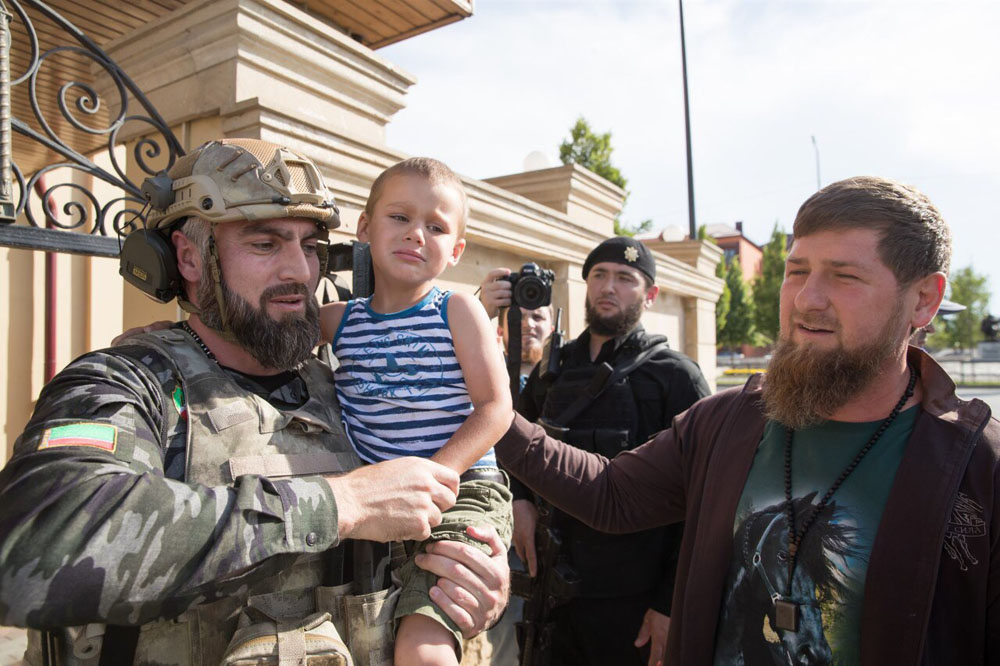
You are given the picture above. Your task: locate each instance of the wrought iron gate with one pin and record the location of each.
(57, 137)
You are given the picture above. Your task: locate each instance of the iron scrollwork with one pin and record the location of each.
(80, 109)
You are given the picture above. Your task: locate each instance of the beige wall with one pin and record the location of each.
(206, 69)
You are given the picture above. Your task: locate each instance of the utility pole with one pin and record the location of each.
(692, 227)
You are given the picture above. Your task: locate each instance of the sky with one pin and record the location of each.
(902, 89)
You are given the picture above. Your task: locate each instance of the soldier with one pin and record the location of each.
(627, 580)
(184, 498)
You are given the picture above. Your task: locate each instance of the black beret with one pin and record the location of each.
(622, 250)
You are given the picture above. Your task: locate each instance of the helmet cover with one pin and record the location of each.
(246, 179)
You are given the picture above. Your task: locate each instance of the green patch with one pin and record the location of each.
(95, 435)
(179, 403)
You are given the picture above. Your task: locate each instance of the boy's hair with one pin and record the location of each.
(914, 241)
(431, 169)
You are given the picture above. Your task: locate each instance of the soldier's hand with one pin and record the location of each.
(161, 325)
(655, 627)
(525, 519)
(396, 500)
(473, 587)
(495, 292)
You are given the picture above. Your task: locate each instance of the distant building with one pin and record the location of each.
(735, 244)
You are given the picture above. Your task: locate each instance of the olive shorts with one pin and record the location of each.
(479, 502)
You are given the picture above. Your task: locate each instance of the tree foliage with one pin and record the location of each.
(767, 286)
(721, 305)
(622, 229)
(962, 330)
(739, 327)
(591, 150)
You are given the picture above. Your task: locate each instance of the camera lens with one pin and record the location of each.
(531, 293)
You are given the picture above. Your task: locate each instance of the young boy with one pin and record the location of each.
(420, 374)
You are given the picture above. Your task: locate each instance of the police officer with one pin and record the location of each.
(627, 579)
(184, 498)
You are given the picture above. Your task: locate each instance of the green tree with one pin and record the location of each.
(622, 229)
(767, 286)
(739, 327)
(593, 151)
(962, 330)
(721, 305)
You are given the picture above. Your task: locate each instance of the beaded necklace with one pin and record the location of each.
(787, 611)
(197, 338)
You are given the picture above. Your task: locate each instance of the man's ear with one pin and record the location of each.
(189, 259)
(651, 295)
(929, 292)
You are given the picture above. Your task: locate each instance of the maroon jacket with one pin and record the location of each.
(933, 581)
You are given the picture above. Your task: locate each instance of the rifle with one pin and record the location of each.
(556, 584)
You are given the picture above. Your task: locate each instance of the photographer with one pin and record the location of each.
(627, 580)
(496, 294)
(536, 323)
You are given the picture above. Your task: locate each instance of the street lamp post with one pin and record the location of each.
(692, 228)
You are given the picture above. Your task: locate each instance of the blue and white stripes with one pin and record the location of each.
(400, 387)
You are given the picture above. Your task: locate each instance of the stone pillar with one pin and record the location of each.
(699, 335)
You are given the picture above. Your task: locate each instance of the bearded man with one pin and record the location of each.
(841, 509)
(188, 497)
(621, 615)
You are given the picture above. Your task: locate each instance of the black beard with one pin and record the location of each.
(804, 385)
(281, 345)
(615, 325)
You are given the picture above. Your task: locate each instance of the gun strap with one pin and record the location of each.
(587, 397)
(119, 645)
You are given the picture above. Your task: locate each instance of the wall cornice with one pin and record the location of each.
(211, 56)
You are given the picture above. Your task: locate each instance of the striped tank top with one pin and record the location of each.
(400, 386)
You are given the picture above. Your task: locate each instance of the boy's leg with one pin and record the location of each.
(479, 502)
(422, 641)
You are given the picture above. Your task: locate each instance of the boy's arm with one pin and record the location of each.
(329, 320)
(486, 380)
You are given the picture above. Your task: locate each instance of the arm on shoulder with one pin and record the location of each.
(485, 377)
(330, 316)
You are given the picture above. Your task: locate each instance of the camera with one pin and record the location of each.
(532, 286)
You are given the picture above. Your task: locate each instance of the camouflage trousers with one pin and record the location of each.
(479, 502)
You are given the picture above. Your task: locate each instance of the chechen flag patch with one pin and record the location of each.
(96, 435)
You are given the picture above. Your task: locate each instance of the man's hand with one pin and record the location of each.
(396, 500)
(472, 587)
(656, 626)
(525, 519)
(495, 292)
(161, 325)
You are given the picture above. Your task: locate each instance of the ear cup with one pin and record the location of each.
(158, 190)
(148, 262)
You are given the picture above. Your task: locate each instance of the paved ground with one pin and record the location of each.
(12, 644)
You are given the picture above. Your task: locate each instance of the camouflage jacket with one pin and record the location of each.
(95, 523)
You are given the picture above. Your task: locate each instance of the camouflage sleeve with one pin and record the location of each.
(92, 531)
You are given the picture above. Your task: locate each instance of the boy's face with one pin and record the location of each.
(414, 229)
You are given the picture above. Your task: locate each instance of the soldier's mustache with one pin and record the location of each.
(286, 289)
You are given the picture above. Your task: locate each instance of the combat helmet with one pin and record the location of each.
(240, 179)
(224, 181)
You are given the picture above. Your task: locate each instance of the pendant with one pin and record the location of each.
(786, 615)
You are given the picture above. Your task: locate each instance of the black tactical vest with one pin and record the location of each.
(610, 565)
